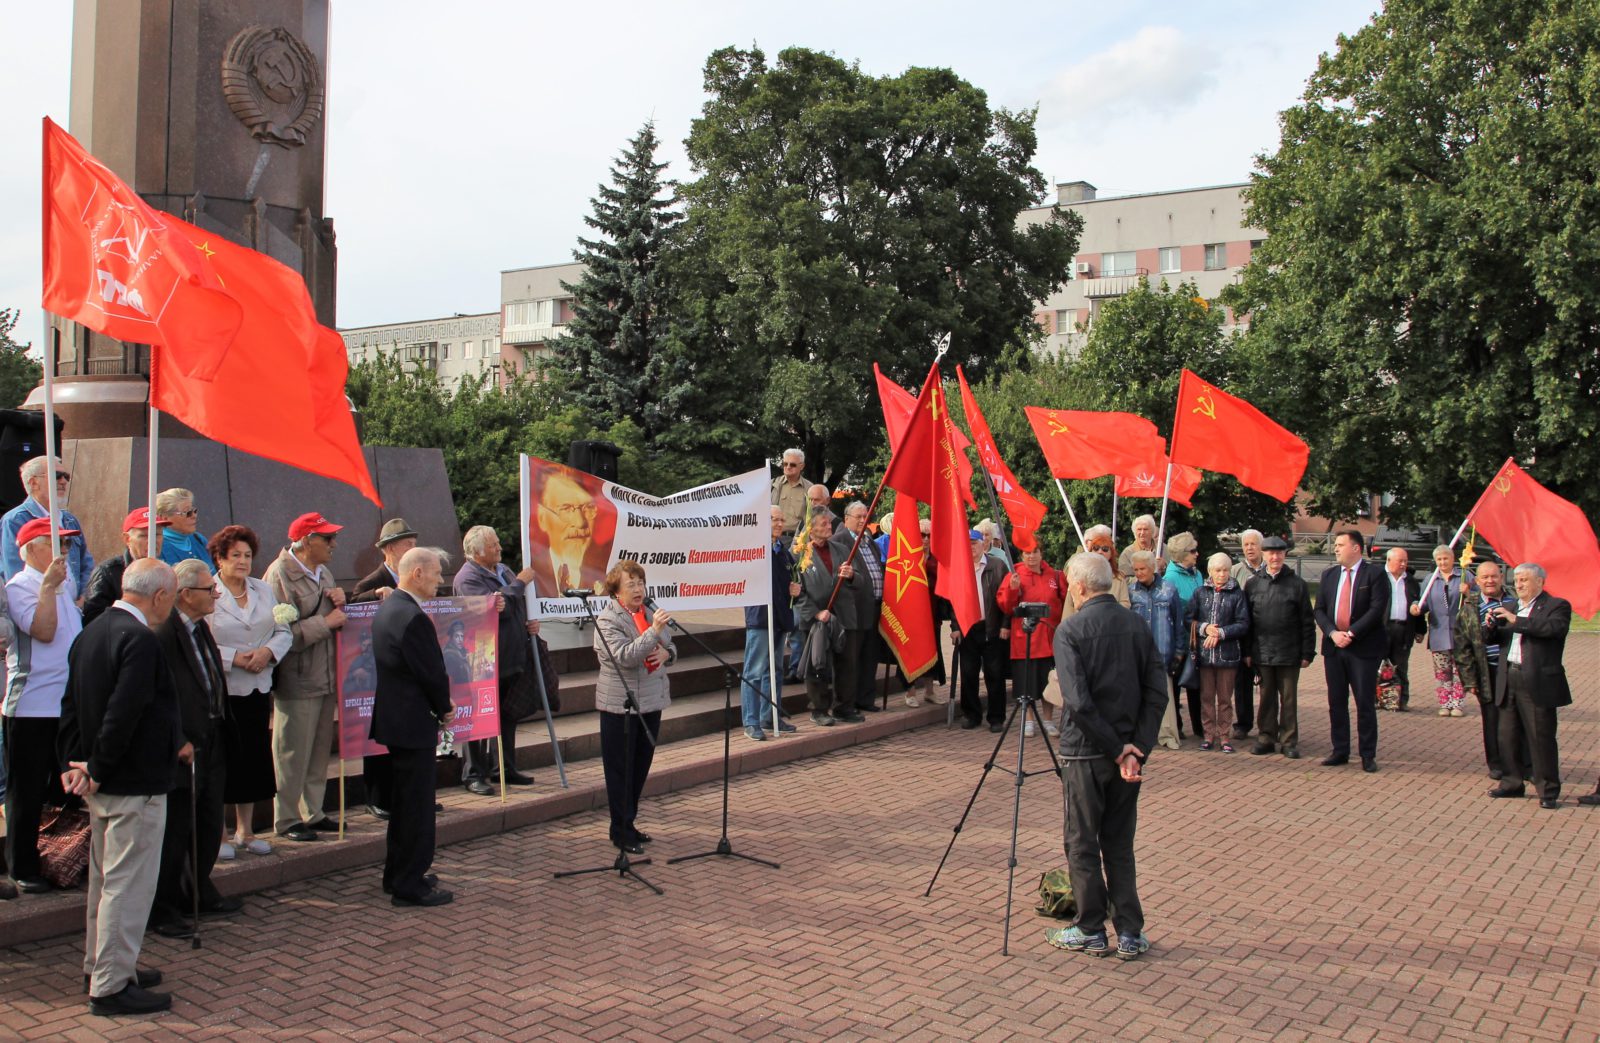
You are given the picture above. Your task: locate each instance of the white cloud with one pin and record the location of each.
(1157, 71)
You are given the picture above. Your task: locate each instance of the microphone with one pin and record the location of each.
(579, 592)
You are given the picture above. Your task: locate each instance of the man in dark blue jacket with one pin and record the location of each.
(411, 704)
(757, 662)
(1114, 691)
(1352, 602)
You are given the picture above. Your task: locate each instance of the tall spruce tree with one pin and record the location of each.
(612, 362)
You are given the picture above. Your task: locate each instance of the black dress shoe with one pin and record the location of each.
(641, 837)
(1292, 752)
(224, 905)
(1261, 749)
(869, 708)
(324, 825)
(997, 726)
(480, 787)
(144, 977)
(1333, 760)
(298, 831)
(431, 879)
(1500, 791)
(381, 814)
(425, 901)
(631, 847)
(970, 723)
(1369, 764)
(437, 807)
(850, 718)
(517, 778)
(1590, 800)
(33, 885)
(173, 928)
(131, 1000)
(1549, 804)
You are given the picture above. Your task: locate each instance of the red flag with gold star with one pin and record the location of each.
(237, 351)
(906, 622)
(1528, 523)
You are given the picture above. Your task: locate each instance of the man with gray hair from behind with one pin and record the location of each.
(1114, 691)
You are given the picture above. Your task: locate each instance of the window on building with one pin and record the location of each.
(494, 346)
(1171, 259)
(1216, 256)
(1064, 320)
(444, 351)
(1116, 264)
(469, 349)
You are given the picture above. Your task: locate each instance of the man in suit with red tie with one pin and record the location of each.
(1531, 684)
(411, 704)
(1352, 603)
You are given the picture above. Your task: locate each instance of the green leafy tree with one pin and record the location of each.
(840, 219)
(1425, 301)
(612, 361)
(19, 374)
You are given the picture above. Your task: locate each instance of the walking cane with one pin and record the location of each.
(194, 842)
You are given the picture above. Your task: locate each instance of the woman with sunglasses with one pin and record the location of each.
(179, 540)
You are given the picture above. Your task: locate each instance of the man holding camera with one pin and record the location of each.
(1113, 691)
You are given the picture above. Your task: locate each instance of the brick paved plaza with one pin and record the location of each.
(1285, 900)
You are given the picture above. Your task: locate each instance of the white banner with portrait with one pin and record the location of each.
(703, 548)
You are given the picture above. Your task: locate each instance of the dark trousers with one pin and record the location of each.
(626, 755)
(377, 778)
(867, 669)
(408, 853)
(1402, 635)
(1523, 722)
(1352, 675)
(1032, 675)
(33, 779)
(175, 886)
(1102, 812)
(1492, 716)
(1244, 701)
(987, 655)
(1280, 705)
(482, 761)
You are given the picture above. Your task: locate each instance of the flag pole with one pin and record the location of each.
(1166, 490)
(47, 350)
(1113, 509)
(1070, 514)
(994, 505)
(1453, 541)
(150, 490)
(774, 687)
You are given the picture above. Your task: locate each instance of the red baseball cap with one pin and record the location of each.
(307, 524)
(39, 527)
(139, 518)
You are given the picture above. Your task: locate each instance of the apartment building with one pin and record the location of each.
(452, 347)
(534, 311)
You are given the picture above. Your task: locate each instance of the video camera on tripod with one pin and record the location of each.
(1032, 612)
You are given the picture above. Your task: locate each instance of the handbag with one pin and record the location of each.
(1189, 677)
(1388, 687)
(1055, 896)
(64, 847)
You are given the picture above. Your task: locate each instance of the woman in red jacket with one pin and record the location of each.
(1034, 581)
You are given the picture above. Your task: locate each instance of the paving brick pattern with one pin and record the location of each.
(1286, 901)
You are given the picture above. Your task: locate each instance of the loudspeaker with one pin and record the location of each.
(21, 439)
(596, 458)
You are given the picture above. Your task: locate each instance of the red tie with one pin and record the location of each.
(1341, 618)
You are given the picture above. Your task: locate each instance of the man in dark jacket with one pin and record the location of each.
(987, 646)
(850, 545)
(754, 698)
(1400, 627)
(105, 582)
(198, 676)
(394, 539)
(411, 704)
(1531, 685)
(1352, 602)
(1283, 641)
(1114, 691)
(121, 742)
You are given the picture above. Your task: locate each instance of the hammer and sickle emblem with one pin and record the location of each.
(1503, 483)
(1057, 426)
(1206, 406)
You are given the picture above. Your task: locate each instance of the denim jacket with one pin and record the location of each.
(1165, 614)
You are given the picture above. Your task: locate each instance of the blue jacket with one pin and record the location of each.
(755, 616)
(80, 563)
(1165, 614)
(1228, 609)
(178, 546)
(1441, 608)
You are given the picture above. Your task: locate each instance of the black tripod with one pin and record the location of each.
(1027, 703)
(731, 676)
(633, 721)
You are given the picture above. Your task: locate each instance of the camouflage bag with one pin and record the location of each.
(1055, 896)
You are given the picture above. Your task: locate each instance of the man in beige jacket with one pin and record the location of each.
(304, 689)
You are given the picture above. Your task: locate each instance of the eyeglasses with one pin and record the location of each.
(209, 590)
(190, 513)
(570, 512)
(63, 476)
(1103, 548)
(326, 537)
(790, 463)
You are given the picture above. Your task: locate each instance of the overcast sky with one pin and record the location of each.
(467, 138)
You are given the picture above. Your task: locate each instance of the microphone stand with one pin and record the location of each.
(631, 713)
(731, 675)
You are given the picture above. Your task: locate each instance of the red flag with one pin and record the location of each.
(121, 267)
(906, 621)
(898, 405)
(1081, 444)
(238, 353)
(925, 468)
(1024, 511)
(1528, 523)
(1149, 483)
(1217, 432)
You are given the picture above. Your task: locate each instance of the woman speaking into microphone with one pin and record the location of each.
(634, 648)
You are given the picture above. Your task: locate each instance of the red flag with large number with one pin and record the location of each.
(1215, 431)
(924, 468)
(238, 353)
(1528, 523)
(1149, 483)
(906, 621)
(898, 406)
(1024, 511)
(1084, 444)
